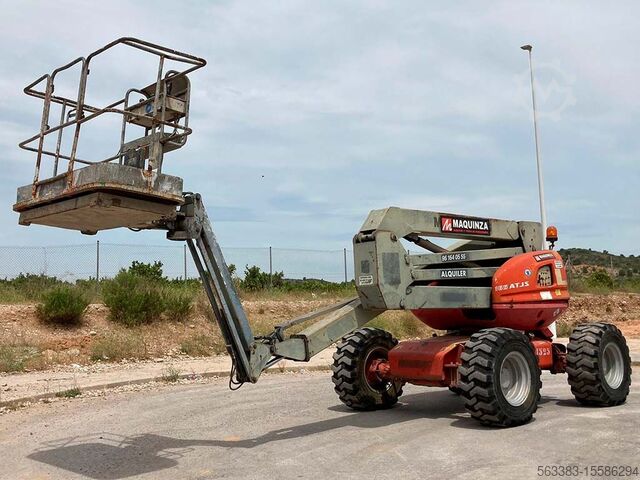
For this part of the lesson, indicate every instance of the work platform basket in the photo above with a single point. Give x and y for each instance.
(128, 188)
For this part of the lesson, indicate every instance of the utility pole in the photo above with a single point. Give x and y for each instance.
(270, 268)
(345, 265)
(184, 256)
(97, 260)
(543, 213)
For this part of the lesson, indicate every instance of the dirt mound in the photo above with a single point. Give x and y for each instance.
(622, 309)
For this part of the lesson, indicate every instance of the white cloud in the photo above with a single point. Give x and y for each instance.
(348, 107)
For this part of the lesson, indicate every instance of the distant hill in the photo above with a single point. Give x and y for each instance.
(621, 264)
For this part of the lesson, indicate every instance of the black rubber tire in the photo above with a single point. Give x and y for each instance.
(585, 365)
(348, 368)
(455, 390)
(480, 377)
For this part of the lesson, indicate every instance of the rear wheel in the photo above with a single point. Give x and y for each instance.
(598, 365)
(355, 383)
(500, 377)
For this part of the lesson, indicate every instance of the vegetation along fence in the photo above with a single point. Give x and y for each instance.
(104, 260)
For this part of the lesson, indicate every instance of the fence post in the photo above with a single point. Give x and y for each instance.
(97, 260)
(270, 268)
(184, 247)
(345, 265)
(44, 261)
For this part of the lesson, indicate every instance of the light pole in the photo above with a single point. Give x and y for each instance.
(543, 214)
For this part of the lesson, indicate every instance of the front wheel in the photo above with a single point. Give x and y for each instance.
(356, 386)
(598, 365)
(500, 377)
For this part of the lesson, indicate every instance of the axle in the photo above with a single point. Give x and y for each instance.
(434, 362)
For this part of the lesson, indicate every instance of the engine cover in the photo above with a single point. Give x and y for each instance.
(528, 292)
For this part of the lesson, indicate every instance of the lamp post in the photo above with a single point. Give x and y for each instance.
(543, 214)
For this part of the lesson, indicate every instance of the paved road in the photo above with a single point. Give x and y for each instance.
(292, 426)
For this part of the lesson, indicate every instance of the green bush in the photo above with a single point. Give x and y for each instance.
(600, 279)
(62, 306)
(133, 299)
(91, 289)
(319, 286)
(255, 279)
(151, 271)
(232, 269)
(25, 288)
(629, 284)
(178, 302)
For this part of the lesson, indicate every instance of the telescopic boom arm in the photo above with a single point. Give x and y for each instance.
(252, 355)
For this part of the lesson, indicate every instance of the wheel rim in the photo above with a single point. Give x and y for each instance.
(612, 365)
(372, 379)
(515, 378)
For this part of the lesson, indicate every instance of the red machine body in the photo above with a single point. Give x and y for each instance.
(432, 362)
(528, 293)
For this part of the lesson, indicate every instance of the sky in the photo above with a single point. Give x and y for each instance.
(311, 114)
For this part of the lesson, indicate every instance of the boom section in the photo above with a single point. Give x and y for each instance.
(252, 355)
(389, 276)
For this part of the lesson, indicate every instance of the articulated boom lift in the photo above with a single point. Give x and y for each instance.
(493, 293)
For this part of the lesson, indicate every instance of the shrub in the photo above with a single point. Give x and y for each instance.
(178, 302)
(132, 299)
(62, 306)
(151, 271)
(118, 346)
(319, 286)
(27, 287)
(600, 279)
(255, 279)
(91, 289)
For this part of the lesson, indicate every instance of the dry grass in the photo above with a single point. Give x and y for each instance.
(202, 345)
(178, 303)
(16, 357)
(27, 344)
(284, 296)
(121, 345)
(402, 325)
(170, 374)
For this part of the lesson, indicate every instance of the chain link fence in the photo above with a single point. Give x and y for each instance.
(104, 260)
